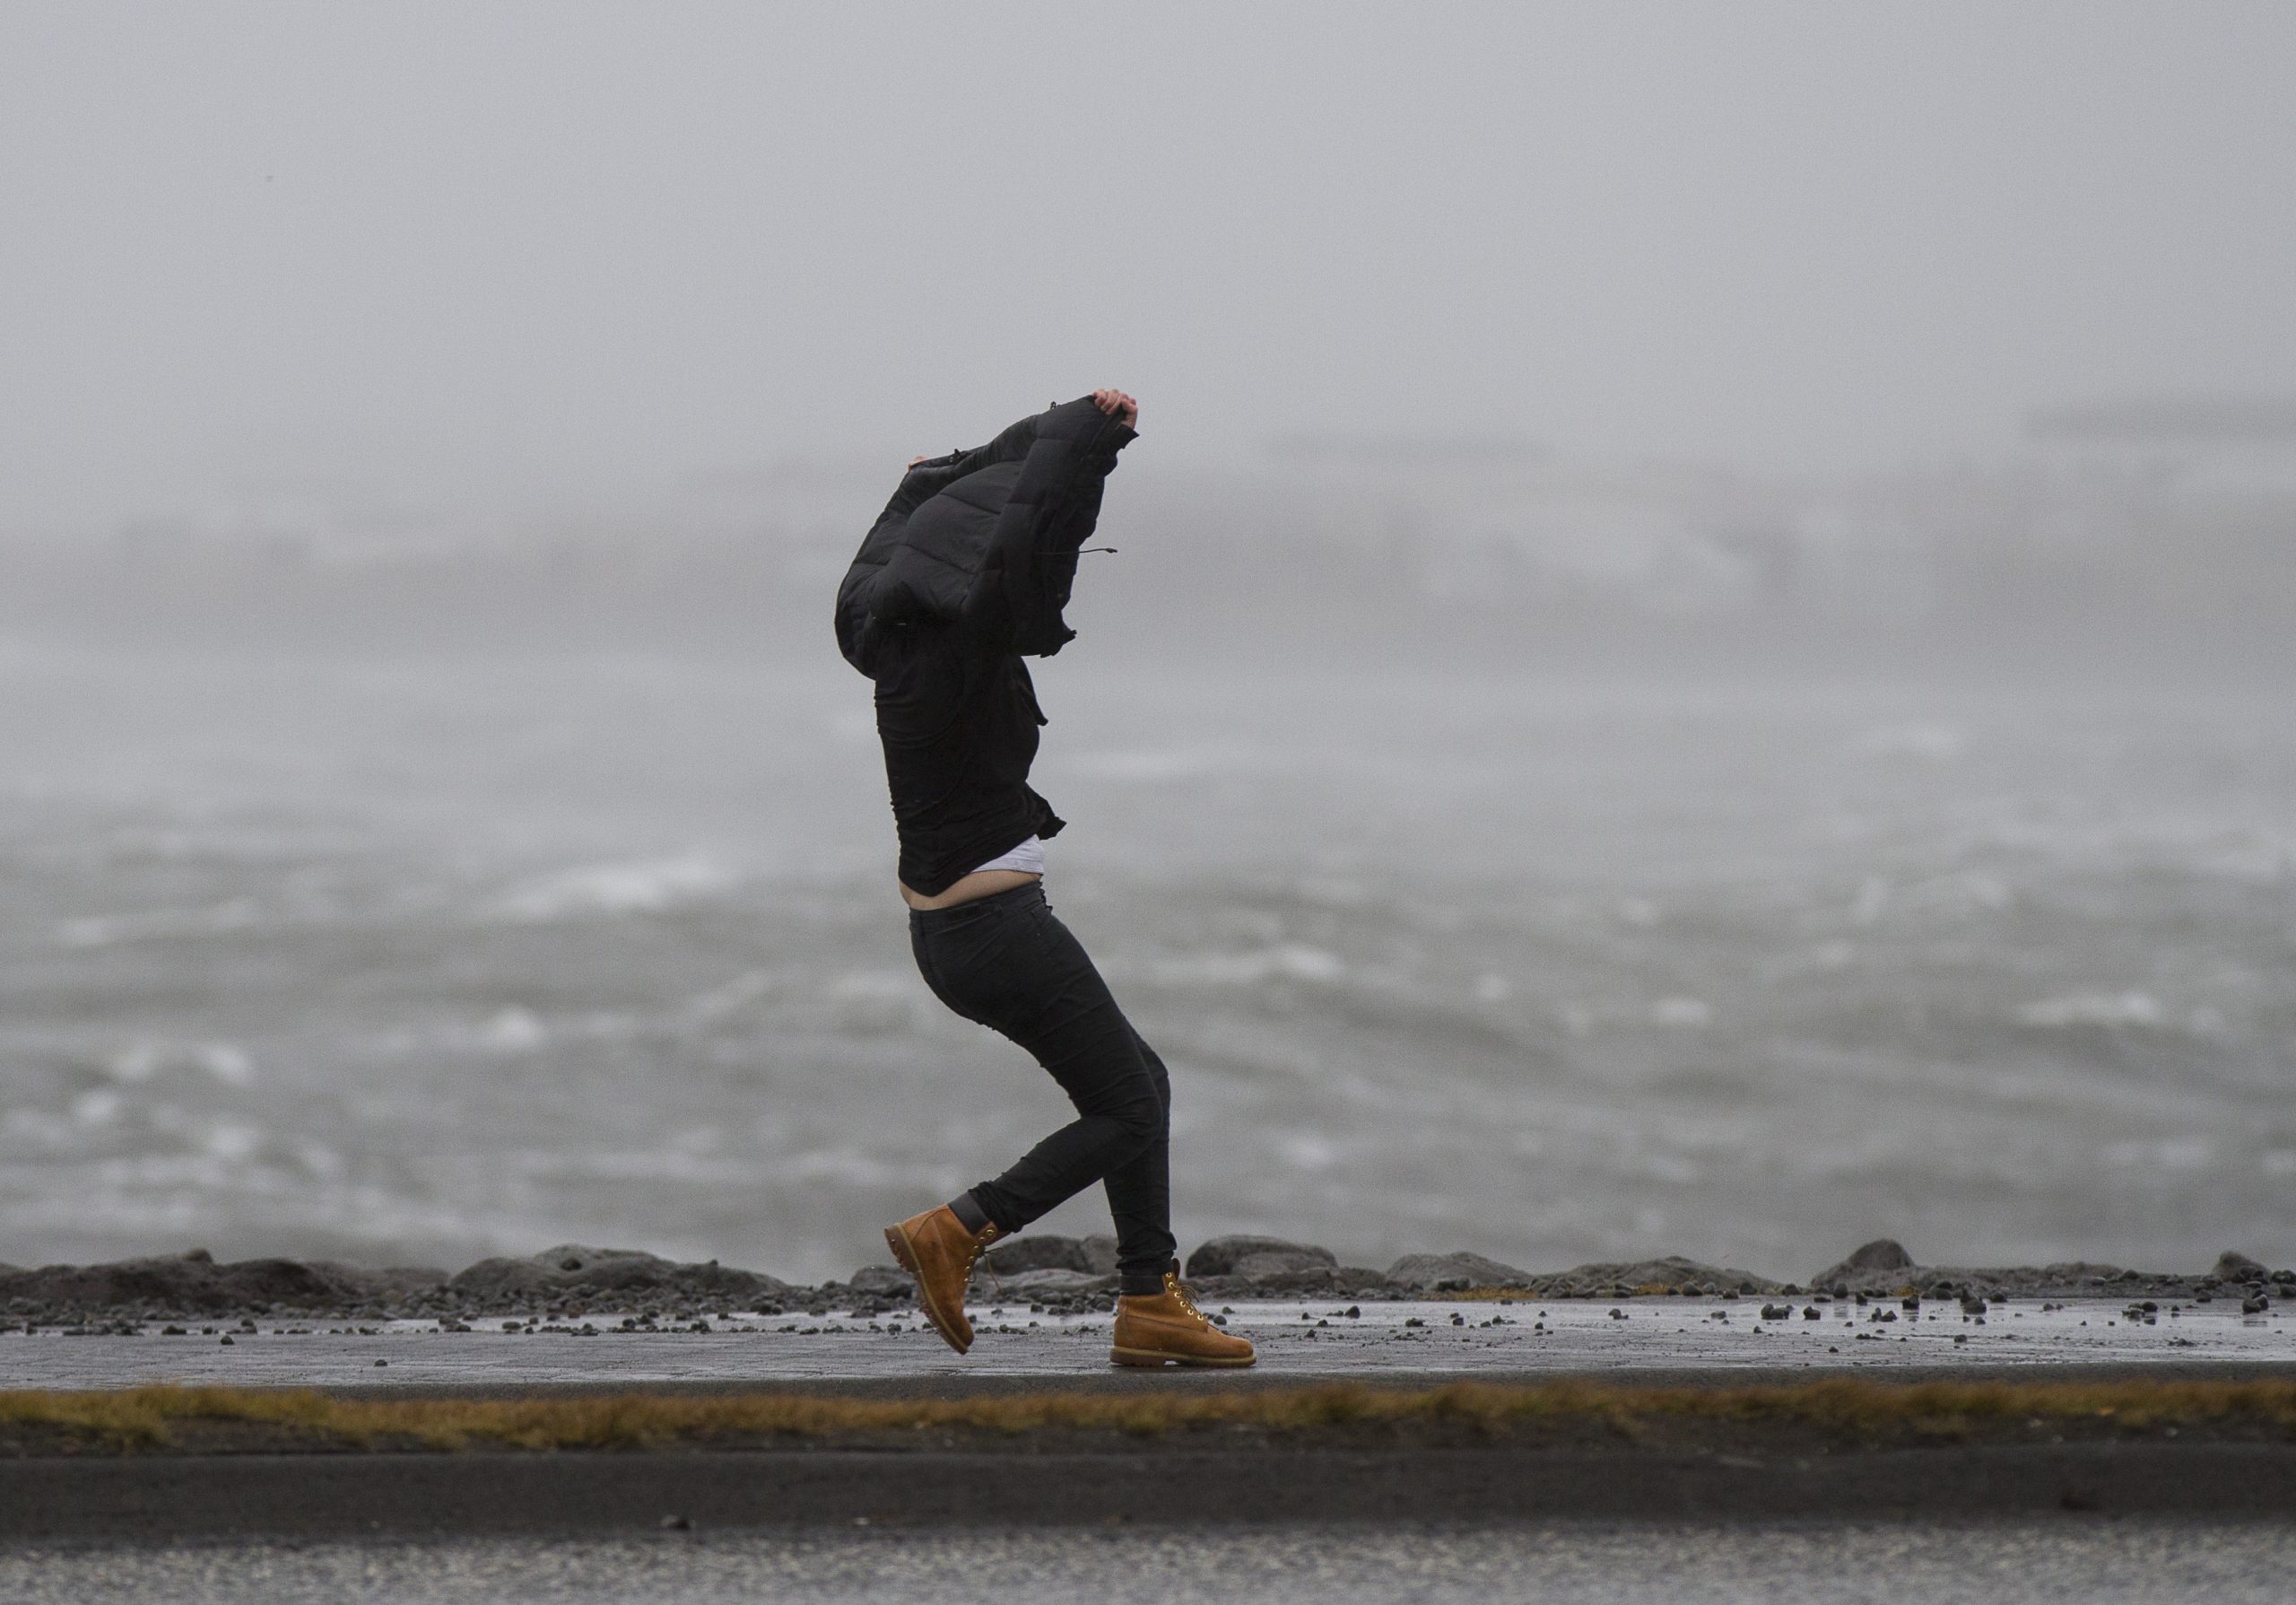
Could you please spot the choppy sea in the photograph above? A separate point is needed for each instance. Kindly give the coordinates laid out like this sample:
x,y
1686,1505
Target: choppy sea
x,y
413,962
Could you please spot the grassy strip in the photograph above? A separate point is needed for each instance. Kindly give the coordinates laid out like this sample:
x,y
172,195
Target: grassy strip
x,y
149,1417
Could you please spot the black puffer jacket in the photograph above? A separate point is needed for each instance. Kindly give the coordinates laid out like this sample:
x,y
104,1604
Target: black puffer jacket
x,y
967,570
987,539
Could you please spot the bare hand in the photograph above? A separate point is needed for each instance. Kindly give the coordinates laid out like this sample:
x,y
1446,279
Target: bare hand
x,y
1119,407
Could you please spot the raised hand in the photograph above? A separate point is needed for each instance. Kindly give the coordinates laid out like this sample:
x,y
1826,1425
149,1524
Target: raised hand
x,y
1119,407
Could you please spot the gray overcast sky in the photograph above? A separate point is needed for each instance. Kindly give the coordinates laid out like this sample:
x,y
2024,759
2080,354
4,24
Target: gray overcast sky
x,y
484,256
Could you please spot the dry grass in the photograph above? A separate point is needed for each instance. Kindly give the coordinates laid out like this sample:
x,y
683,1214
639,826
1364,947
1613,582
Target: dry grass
x,y
152,1418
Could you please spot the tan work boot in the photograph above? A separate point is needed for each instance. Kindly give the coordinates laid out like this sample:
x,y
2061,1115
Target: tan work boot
x,y
935,1248
1161,1328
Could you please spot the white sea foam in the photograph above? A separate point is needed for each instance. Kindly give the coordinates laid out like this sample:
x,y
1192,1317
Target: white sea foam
x,y
1306,1150
231,1141
102,930
97,1107
674,1164
1286,961
727,998
2168,1153
1834,954
225,1062
874,1001
632,886
2105,1009
510,1031
146,1059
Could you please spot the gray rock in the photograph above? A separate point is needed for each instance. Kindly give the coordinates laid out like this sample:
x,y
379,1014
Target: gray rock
x,y
2238,1267
1671,1273
1270,1265
1877,1258
571,1266
1427,1273
1095,1255
882,1280
1052,1279
2073,1278
194,1282
1223,1256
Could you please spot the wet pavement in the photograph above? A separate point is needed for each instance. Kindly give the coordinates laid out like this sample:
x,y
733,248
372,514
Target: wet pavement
x,y
2103,1560
1651,1338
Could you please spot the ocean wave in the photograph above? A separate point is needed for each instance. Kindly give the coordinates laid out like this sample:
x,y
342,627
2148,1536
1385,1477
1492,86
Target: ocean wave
x,y
2108,1010
1955,895
1285,961
878,1002
1682,1013
846,1165
506,1030
102,930
512,1031
676,1164
146,1059
726,999
2167,1153
627,886
1307,1150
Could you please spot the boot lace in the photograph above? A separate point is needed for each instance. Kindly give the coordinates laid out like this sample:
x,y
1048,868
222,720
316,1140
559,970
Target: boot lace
x,y
988,1234
1178,1290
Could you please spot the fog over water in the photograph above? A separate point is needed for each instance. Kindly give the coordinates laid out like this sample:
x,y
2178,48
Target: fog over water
x,y
1696,661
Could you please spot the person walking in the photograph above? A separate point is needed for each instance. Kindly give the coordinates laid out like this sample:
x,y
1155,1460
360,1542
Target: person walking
x,y
964,575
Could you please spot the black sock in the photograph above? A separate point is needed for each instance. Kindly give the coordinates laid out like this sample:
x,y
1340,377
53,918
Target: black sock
x,y
970,1215
1141,1284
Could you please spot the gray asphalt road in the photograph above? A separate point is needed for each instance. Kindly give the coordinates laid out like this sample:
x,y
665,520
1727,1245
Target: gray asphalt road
x,y
2101,1561
1300,1340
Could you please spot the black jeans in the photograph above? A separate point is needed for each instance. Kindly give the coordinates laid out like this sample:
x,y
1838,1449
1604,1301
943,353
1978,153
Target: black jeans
x,y
1005,961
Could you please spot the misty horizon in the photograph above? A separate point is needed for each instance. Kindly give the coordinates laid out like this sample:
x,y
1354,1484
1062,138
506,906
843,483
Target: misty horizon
x,y
479,263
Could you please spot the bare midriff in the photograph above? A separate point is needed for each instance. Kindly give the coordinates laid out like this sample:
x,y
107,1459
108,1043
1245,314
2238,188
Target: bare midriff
x,y
981,883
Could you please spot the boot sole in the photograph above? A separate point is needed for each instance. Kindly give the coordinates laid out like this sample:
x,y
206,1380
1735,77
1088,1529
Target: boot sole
x,y
897,1239
1160,1357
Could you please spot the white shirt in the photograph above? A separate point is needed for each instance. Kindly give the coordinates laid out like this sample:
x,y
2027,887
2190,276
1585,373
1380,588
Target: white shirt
x,y
1028,857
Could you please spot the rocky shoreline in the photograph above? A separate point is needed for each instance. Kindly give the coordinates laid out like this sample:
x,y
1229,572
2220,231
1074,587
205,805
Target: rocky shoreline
x,y
1062,1275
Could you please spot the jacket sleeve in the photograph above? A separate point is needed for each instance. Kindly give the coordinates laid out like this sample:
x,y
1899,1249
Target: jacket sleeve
x,y
1031,564
928,478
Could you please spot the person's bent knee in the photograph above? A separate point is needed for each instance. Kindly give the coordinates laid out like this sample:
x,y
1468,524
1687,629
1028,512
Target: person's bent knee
x,y
1142,1117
